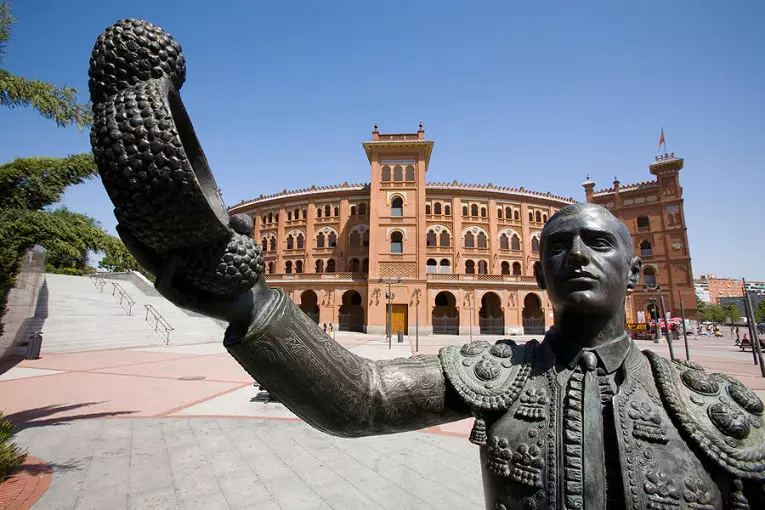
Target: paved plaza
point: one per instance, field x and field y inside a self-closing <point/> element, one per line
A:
<point x="180" y="427"/>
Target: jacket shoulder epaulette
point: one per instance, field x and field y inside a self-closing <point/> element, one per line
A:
<point x="715" y="413"/>
<point x="488" y="377"/>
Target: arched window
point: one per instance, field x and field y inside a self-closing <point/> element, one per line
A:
<point x="515" y="243"/>
<point x="481" y="240"/>
<point x="272" y="244"/>
<point x="531" y="216"/>
<point x="535" y="244"/>
<point x="505" y="267"/>
<point x="649" y="276"/>
<point x="431" y="266"/>
<point x="499" y="213"/>
<point x="327" y="210"/>
<point x="365" y="266"/>
<point x="337" y="211"/>
<point x="469" y="267"/>
<point x="276" y="217"/>
<point x="469" y="240"/>
<point x="483" y="212"/>
<point x="447" y="210"/>
<point x="397" y="242"/>
<point x="296" y="214"/>
<point x="362" y="209"/>
<point x="508" y="212"/>
<point x="265" y="218"/>
<point x="398" y="173"/>
<point x="305" y="214"/>
<point x="386" y="174"/>
<point x="444" y="240"/>
<point x="678" y="219"/>
<point x="544" y="218"/>
<point x="331" y="266"/>
<point x="299" y="266"/>
<point x="517" y="215"/>
<point x="445" y="266"/>
<point x="397" y="206"/>
<point x="427" y="208"/>
<point x="473" y="210"/>
<point x="646" y="250"/>
<point x="539" y="217"/>
<point x="430" y="239"/>
<point x="320" y="240"/>
<point x="264" y="244"/>
<point x="516" y="268"/>
<point x="483" y="267"/>
<point x="318" y="212"/>
<point x="410" y="173"/>
<point x="290" y="242"/>
<point x="365" y="238"/>
<point x="289" y="215"/>
<point x="464" y="210"/>
<point x="355" y="266"/>
<point x="437" y="208"/>
<point x="270" y="217"/>
<point x="270" y="268"/>
<point x="671" y="220"/>
<point x="504" y="242"/>
<point x="332" y="240"/>
<point x="319" y="266"/>
<point x="643" y="222"/>
<point x="355" y="240"/>
<point x="353" y="210"/>
<point x="288" y="267"/>
<point x="300" y="241"/>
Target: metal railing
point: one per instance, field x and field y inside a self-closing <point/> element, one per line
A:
<point x="159" y="321"/>
<point x="98" y="281"/>
<point x="125" y="301"/>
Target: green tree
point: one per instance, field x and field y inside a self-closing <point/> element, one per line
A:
<point x="732" y="313"/>
<point x="52" y="102"/>
<point x="759" y="312"/>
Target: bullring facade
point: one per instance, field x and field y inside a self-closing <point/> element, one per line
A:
<point x="444" y="257"/>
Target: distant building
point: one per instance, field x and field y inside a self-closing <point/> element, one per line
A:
<point x="754" y="297"/>
<point x="653" y="213"/>
<point x="715" y="288"/>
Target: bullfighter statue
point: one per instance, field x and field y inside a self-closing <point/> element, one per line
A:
<point x="582" y="420"/>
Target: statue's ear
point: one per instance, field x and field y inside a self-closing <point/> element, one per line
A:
<point x="539" y="275"/>
<point x="635" y="266"/>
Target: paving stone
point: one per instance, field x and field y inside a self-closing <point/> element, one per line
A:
<point x="102" y="499"/>
<point x="243" y="487"/>
<point x="157" y="499"/>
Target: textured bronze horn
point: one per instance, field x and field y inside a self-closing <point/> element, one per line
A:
<point x="152" y="164"/>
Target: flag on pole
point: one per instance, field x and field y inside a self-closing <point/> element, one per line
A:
<point x="661" y="139"/>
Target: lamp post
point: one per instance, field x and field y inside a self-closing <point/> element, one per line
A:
<point x="389" y="297"/>
<point x="656" y="287"/>
<point x="754" y="334"/>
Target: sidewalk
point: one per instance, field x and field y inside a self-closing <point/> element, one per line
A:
<point x="177" y="427"/>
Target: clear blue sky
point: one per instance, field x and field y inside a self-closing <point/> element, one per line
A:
<point x="532" y="94"/>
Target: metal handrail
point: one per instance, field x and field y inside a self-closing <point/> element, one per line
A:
<point x="98" y="281"/>
<point x="125" y="301"/>
<point x="159" y="321"/>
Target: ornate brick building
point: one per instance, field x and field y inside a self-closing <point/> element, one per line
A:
<point x="451" y="257"/>
<point x="653" y="213"/>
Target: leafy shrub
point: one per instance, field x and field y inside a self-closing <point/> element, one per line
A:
<point x="11" y="456"/>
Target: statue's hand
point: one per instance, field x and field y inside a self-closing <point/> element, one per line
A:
<point x="236" y="309"/>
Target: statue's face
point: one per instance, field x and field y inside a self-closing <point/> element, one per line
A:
<point x="587" y="264"/>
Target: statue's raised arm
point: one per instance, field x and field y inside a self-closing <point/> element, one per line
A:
<point x="174" y="222"/>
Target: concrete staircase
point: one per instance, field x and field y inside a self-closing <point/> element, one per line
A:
<point x="80" y="318"/>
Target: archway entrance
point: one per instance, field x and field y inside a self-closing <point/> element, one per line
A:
<point x="491" y="318"/>
<point x="445" y="319"/>
<point x="351" y="314"/>
<point x="533" y="315"/>
<point x="309" y="303"/>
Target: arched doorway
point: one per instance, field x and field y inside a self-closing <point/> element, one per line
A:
<point x="533" y="315"/>
<point x="351" y="313"/>
<point x="309" y="303"/>
<point x="445" y="318"/>
<point x="491" y="318"/>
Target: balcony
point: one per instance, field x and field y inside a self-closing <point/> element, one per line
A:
<point x="482" y="278"/>
<point x="302" y="277"/>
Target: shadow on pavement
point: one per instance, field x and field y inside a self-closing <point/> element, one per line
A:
<point x="32" y="417"/>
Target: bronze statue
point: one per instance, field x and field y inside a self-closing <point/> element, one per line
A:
<point x="581" y="420"/>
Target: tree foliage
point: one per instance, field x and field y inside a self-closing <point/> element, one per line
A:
<point x="712" y="313"/>
<point x="52" y="102"/>
<point x="759" y="312"/>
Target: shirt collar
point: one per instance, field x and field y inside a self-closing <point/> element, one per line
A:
<point x="611" y="356"/>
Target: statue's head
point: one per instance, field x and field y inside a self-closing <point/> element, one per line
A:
<point x="586" y="260"/>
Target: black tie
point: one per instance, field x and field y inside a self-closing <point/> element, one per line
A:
<point x="594" y="454"/>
